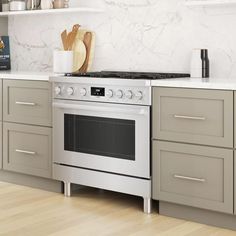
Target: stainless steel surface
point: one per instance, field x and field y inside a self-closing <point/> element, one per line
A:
<point x="147" y="205"/>
<point x="189" y="117"/>
<point x="140" y="114"/>
<point x="189" y="178"/>
<point x="67" y="189"/>
<point x="110" y="99"/>
<point x="108" y="181"/>
<point x="113" y="94"/>
<point x="101" y="108"/>
<point x="26" y="152"/>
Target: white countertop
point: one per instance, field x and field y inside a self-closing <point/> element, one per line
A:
<point x="208" y="83"/>
<point x="202" y="83"/>
<point x="25" y="75"/>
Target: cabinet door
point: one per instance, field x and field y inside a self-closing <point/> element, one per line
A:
<point x="27" y="102"/>
<point x="193" y="116"/>
<point x="27" y="149"/>
<point x="1" y="146"/>
<point x="193" y="175"/>
<point x="1" y="100"/>
<point x="235" y="152"/>
<point x="234" y="119"/>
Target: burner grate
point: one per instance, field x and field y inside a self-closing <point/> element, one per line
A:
<point x="130" y="75"/>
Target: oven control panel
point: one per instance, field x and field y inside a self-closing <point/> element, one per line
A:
<point x="97" y="91"/>
<point x="109" y="94"/>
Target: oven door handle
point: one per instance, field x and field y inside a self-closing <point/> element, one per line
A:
<point x="140" y="111"/>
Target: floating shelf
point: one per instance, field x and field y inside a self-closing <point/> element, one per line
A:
<point x="50" y="11"/>
<point x="209" y="2"/>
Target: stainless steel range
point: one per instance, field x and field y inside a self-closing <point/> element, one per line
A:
<point x="101" y="131"/>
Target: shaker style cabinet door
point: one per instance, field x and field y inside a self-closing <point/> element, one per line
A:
<point x="27" y="149"/>
<point x="27" y="102"/>
<point x="235" y="119"/>
<point x="193" y="116"/>
<point x="1" y="100"/>
<point x="1" y="161"/>
<point x="193" y="175"/>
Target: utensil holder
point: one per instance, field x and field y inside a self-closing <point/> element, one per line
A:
<point x="63" y="61"/>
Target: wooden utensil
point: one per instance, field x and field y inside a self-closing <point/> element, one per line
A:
<point x="64" y="39"/>
<point x="79" y="54"/>
<point x="73" y="36"/>
<point x="87" y="41"/>
<point x="68" y="41"/>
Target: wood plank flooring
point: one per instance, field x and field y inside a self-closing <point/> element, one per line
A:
<point x="90" y="212"/>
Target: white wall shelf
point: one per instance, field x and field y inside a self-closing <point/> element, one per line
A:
<point x="51" y="11"/>
<point x="209" y="2"/>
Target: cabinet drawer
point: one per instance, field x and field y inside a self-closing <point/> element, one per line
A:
<point x="0" y="99"/>
<point x="27" y="149"/>
<point x="194" y="176"/>
<point x="0" y="145"/>
<point x="27" y="102"/>
<point x="193" y="116"/>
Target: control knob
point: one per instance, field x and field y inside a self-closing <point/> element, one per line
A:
<point x="57" y="90"/>
<point x="109" y="93"/>
<point x="83" y="92"/>
<point x="139" y="95"/>
<point x="70" y="91"/>
<point x="119" y="94"/>
<point x="129" y="94"/>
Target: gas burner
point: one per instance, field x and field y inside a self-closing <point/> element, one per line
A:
<point x="129" y="75"/>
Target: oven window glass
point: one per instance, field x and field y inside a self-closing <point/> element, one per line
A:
<point x="113" y="138"/>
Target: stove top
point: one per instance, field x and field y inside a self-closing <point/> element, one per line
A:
<point x="129" y="75"/>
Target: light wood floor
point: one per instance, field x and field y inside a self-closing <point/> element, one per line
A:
<point x="90" y="212"/>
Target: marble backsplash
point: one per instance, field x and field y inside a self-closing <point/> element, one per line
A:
<point x="141" y="35"/>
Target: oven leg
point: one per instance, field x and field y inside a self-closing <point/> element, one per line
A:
<point x="67" y="189"/>
<point x="147" y="205"/>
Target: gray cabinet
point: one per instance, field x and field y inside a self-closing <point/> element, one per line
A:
<point x="193" y="175"/>
<point x="235" y="119"/>
<point x="27" y="102"/>
<point x="0" y="145"/>
<point x="27" y="149"/>
<point x="0" y="100"/>
<point x="193" y="116"/>
<point x="234" y="182"/>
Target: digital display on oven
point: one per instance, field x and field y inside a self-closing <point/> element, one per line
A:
<point x="95" y="91"/>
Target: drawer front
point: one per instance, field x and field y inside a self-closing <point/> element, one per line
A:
<point x="194" y="176"/>
<point x="0" y="145"/>
<point x="235" y="119"/>
<point x="1" y="100"/>
<point x="27" y="149"/>
<point x="235" y="182"/>
<point x="27" y="102"/>
<point x="193" y="116"/>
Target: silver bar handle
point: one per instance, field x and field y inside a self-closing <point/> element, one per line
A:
<point x="140" y="111"/>
<point x="26" y="152"/>
<point x="189" y="178"/>
<point x="26" y="103"/>
<point x="190" y="117"/>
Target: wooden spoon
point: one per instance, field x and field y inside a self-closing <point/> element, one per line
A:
<point x="87" y="41"/>
<point x="73" y="35"/>
<point x="64" y="39"/>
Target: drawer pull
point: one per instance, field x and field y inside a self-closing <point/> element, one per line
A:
<point x="26" y="152"/>
<point x="190" y="117"/>
<point x="189" y="178"/>
<point x="26" y="103"/>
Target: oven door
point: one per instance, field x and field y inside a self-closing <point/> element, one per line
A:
<point x="113" y="138"/>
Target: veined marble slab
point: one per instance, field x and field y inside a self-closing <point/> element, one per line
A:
<point x="133" y="35"/>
